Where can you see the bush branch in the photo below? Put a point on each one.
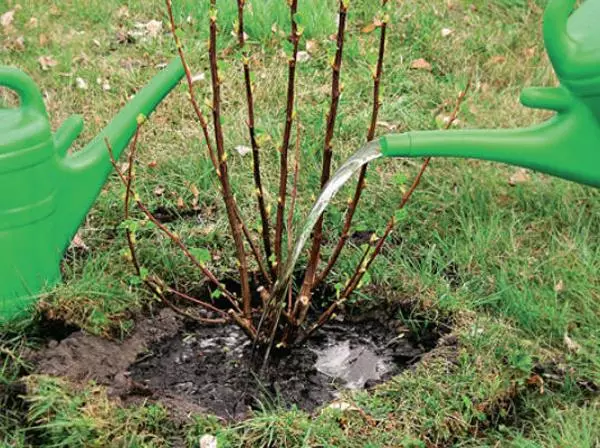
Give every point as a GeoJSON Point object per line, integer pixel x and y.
{"type": "Point", "coordinates": [336, 66]}
{"type": "Point", "coordinates": [234, 222]}
{"type": "Point", "coordinates": [289, 118]}
{"type": "Point", "coordinates": [260, 194]}
{"type": "Point", "coordinates": [363, 172]}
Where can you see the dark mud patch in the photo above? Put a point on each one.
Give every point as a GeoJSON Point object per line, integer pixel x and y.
{"type": "Point", "coordinates": [193, 368]}
{"type": "Point", "coordinates": [211, 367]}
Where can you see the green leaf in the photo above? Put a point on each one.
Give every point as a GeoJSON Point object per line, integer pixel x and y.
{"type": "Point", "coordinates": [201, 254]}
{"type": "Point", "coordinates": [298, 19]}
{"type": "Point", "coordinates": [401, 215]}
{"type": "Point", "coordinates": [144, 273]}
{"type": "Point", "coordinates": [130, 224]}
{"type": "Point", "coordinates": [400, 179]}
{"type": "Point", "coordinates": [288, 48]}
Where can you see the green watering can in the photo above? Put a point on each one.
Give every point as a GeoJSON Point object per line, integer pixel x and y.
{"type": "Point", "coordinates": [46, 193]}
{"type": "Point", "coordinates": [566, 146]}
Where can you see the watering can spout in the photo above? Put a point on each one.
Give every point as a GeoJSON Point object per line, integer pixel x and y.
{"type": "Point", "coordinates": [86, 171]}
{"type": "Point", "coordinates": [565, 146]}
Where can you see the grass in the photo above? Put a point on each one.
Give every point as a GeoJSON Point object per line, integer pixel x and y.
{"type": "Point", "coordinates": [524, 259]}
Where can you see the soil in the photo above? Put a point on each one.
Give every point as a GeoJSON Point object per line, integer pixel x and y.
{"type": "Point", "coordinates": [82, 357]}
{"type": "Point", "coordinates": [194, 368]}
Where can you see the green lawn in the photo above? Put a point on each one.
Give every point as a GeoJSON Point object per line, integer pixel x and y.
{"type": "Point", "coordinates": [525, 298]}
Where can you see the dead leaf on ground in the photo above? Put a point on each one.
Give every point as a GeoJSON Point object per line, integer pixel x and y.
{"type": "Point", "coordinates": [312, 46]}
{"type": "Point", "coordinates": [7, 19]}
{"type": "Point", "coordinates": [47, 62]}
{"type": "Point", "coordinates": [342, 406]}
{"type": "Point", "coordinates": [180, 203]}
{"type": "Point", "coordinates": [389, 126]}
{"type": "Point", "coordinates": [521, 176]}
{"type": "Point", "coordinates": [195, 191]}
{"type": "Point", "coordinates": [159, 191]}
{"type": "Point", "coordinates": [16, 44]}
{"type": "Point", "coordinates": [572, 346]}
{"type": "Point", "coordinates": [420, 64]}
{"type": "Point", "coordinates": [79, 243]}
{"type": "Point", "coordinates": [498, 59]}
{"type": "Point", "coordinates": [559, 287]}
{"type": "Point", "coordinates": [536, 380]}
{"type": "Point", "coordinates": [369, 28]}
{"type": "Point", "coordinates": [152, 164]}
{"type": "Point", "coordinates": [198, 77]}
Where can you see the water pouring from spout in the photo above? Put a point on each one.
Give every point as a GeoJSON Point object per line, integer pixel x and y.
{"type": "Point", "coordinates": [366, 154]}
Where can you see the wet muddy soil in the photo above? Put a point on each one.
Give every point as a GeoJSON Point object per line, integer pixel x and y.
{"type": "Point", "coordinates": [200, 368]}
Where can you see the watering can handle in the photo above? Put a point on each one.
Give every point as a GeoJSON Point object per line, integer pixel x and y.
{"type": "Point", "coordinates": [27, 90]}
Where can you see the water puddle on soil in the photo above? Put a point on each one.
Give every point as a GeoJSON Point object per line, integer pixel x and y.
{"type": "Point", "coordinates": [210, 367]}
{"type": "Point", "coordinates": [354, 364]}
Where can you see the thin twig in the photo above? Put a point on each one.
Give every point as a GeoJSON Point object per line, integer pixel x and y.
{"type": "Point", "coordinates": [289, 117]}
{"type": "Point", "coordinates": [336, 66]}
{"type": "Point", "coordinates": [363, 172]}
{"type": "Point", "coordinates": [201, 303]}
{"type": "Point", "coordinates": [260, 194]}
{"type": "Point", "coordinates": [234, 222]}
{"type": "Point", "coordinates": [190, 84]}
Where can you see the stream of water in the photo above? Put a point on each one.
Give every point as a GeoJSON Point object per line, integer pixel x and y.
{"type": "Point", "coordinates": [366, 154]}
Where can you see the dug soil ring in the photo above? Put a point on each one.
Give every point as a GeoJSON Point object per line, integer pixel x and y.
{"type": "Point", "coordinates": [193, 368]}
{"type": "Point", "coordinates": [211, 367]}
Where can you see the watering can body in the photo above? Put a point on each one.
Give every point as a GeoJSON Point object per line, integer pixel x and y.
{"type": "Point", "coordinates": [46, 192]}
{"type": "Point", "coordinates": [567, 145]}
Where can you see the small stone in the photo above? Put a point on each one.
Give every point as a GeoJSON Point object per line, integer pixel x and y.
{"type": "Point", "coordinates": [208, 441]}
{"type": "Point", "coordinates": [243, 150]}
{"type": "Point", "coordinates": [446, 32]}
{"type": "Point", "coordinates": [81, 83]}
{"type": "Point", "coordinates": [303, 56]}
